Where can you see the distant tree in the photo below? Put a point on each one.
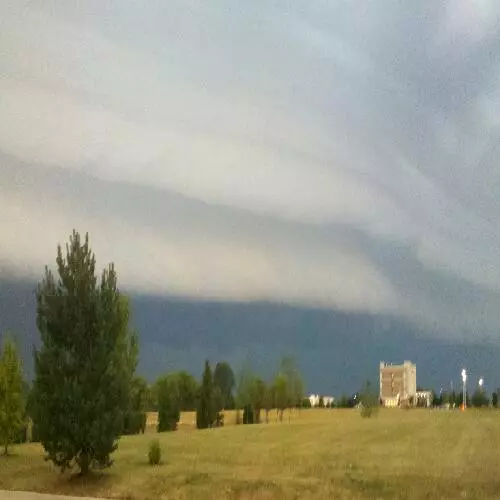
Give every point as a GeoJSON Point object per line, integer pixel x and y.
{"type": "Point", "coordinates": [269, 400]}
{"type": "Point", "coordinates": [188, 388]}
{"type": "Point", "coordinates": [436, 399]}
{"type": "Point", "coordinates": [306, 403]}
{"type": "Point", "coordinates": [343, 402]}
{"type": "Point", "coordinates": [152, 398]}
{"type": "Point", "coordinates": [321, 403]}
{"type": "Point", "coordinates": [258, 397]}
{"type": "Point", "coordinates": [295, 384]}
{"type": "Point", "coordinates": [12, 397]}
{"type": "Point", "coordinates": [135, 416]}
{"type": "Point", "coordinates": [206, 412]}
{"type": "Point", "coordinates": [169, 402]}
{"type": "Point", "coordinates": [218, 401]}
{"type": "Point", "coordinates": [86, 361]}
{"type": "Point", "coordinates": [224, 379]}
{"type": "Point", "coordinates": [281, 394]}
{"type": "Point", "coordinates": [479, 399]}
{"type": "Point", "coordinates": [244, 387]}
{"type": "Point", "coordinates": [248, 414]}
{"type": "Point", "coordinates": [494, 398]}
{"type": "Point", "coordinates": [368, 399]}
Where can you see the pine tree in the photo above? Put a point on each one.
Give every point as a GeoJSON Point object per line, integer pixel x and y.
{"type": "Point", "coordinates": [169, 402]}
{"type": "Point", "coordinates": [86, 362]}
{"type": "Point", "coordinates": [206, 412]}
{"type": "Point", "coordinates": [12, 401]}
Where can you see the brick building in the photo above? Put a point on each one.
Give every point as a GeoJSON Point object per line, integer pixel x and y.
{"type": "Point", "coordinates": [398, 384]}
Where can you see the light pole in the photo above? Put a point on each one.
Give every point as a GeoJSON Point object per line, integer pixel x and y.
{"type": "Point", "coordinates": [481, 383]}
{"type": "Point", "coordinates": [464, 381]}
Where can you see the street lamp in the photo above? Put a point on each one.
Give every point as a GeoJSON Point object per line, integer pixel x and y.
{"type": "Point", "coordinates": [481, 383]}
{"type": "Point", "coordinates": [464, 381]}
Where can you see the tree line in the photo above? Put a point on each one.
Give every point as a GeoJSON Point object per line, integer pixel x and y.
{"type": "Point", "coordinates": [85, 393]}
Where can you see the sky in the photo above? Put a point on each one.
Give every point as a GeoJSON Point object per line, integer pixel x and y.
{"type": "Point", "coordinates": [340, 155]}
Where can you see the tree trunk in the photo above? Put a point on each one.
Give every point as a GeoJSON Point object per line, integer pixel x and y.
{"type": "Point", "coordinates": [84, 463]}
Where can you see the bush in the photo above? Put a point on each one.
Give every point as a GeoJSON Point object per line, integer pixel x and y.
{"type": "Point", "coordinates": [369, 402]}
{"type": "Point", "coordinates": [154, 453]}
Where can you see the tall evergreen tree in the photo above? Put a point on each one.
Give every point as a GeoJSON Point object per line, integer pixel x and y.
{"type": "Point", "coordinates": [12, 398]}
{"type": "Point", "coordinates": [206, 412]}
{"type": "Point", "coordinates": [224, 379]}
{"type": "Point", "coordinates": [86, 362]}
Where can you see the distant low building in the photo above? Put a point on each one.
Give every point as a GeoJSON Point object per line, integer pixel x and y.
{"type": "Point", "coordinates": [424, 398]}
{"type": "Point", "coordinates": [316, 398]}
{"type": "Point", "coordinates": [398, 384]}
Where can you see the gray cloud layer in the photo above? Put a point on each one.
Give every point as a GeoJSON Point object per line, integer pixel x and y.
{"type": "Point", "coordinates": [335, 154]}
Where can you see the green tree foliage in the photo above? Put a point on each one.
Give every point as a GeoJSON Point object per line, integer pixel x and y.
{"type": "Point", "coordinates": [295, 385]}
{"type": "Point", "coordinates": [479, 399]}
{"type": "Point", "coordinates": [207, 412]}
{"type": "Point", "coordinates": [224, 379]}
{"type": "Point", "coordinates": [152, 398]}
{"type": "Point", "coordinates": [368, 400]}
{"type": "Point", "coordinates": [281, 394]}
{"type": "Point", "coordinates": [269, 400]}
{"type": "Point", "coordinates": [248, 415]}
{"type": "Point", "coordinates": [12, 397]}
{"type": "Point", "coordinates": [321, 403]}
{"type": "Point", "coordinates": [135, 416]}
{"type": "Point", "coordinates": [188, 388]}
{"type": "Point", "coordinates": [169, 402]}
{"type": "Point", "coordinates": [258, 391]}
{"type": "Point", "coordinates": [86, 362]}
{"type": "Point", "coordinates": [494, 398]}
{"type": "Point", "coordinates": [343, 402]}
{"type": "Point", "coordinates": [244, 389]}
{"type": "Point", "coordinates": [306, 403]}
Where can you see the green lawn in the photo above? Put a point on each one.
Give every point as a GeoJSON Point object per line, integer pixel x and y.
{"type": "Point", "coordinates": [319, 454]}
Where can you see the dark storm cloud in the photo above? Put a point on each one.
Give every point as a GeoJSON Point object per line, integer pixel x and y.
{"type": "Point", "coordinates": [335, 154]}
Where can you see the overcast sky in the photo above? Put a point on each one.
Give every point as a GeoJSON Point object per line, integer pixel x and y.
{"type": "Point", "coordinates": [338, 154]}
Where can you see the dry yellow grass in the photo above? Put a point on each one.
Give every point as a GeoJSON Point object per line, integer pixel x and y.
{"type": "Point", "coordinates": [319, 454]}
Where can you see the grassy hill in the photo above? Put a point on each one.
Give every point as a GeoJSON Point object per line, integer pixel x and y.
{"type": "Point", "coordinates": [317, 454]}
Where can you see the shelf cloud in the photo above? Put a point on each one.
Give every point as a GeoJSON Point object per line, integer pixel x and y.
{"type": "Point", "coordinates": [332, 155]}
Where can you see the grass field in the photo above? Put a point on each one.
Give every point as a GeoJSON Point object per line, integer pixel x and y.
{"type": "Point", "coordinates": [319, 454]}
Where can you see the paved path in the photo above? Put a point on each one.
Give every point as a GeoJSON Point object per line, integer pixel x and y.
{"type": "Point", "coordinates": [27, 495]}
